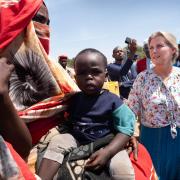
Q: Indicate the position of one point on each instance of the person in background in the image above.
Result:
(144, 63)
(62, 59)
(119, 71)
(155, 98)
(93, 114)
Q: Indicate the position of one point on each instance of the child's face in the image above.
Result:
(90, 73)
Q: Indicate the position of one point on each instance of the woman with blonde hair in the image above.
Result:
(155, 98)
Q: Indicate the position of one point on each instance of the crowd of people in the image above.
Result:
(97, 131)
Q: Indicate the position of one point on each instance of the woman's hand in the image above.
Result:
(98, 159)
(132, 146)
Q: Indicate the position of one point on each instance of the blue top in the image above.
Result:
(94, 117)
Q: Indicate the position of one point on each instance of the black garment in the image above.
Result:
(120, 73)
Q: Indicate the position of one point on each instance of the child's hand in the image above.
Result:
(5, 72)
(132, 146)
(98, 159)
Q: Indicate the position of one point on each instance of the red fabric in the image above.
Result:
(14, 17)
(45, 43)
(141, 65)
(27, 174)
(143, 167)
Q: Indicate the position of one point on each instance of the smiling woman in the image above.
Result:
(163, 50)
(158, 106)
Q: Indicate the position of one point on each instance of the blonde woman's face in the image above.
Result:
(160, 52)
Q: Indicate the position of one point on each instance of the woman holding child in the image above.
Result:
(155, 98)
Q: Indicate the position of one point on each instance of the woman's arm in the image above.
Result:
(12, 128)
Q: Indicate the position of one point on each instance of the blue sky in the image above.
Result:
(104, 24)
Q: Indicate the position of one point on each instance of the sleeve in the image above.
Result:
(133, 70)
(124, 120)
(126, 67)
(134, 98)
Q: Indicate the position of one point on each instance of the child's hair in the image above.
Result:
(91, 50)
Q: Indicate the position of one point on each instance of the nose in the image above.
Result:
(154, 50)
(89, 76)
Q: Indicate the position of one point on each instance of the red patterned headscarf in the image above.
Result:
(16, 15)
(35, 77)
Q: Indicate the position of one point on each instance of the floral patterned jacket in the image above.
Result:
(156, 101)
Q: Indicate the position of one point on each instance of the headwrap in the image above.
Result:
(35, 78)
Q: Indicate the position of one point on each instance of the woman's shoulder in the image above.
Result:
(176, 70)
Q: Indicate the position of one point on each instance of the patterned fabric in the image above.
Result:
(41, 24)
(8, 167)
(44, 109)
(73, 166)
(75, 161)
(158, 103)
(12, 166)
(15, 16)
(35, 77)
(23, 167)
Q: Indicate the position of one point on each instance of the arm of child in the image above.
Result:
(124, 121)
(102, 156)
(12, 128)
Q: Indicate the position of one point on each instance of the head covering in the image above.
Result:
(62, 57)
(15, 16)
(36, 77)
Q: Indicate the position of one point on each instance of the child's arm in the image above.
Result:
(12, 128)
(102, 156)
(124, 120)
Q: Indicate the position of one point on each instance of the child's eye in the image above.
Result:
(81, 73)
(96, 71)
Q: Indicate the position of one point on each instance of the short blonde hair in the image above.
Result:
(170, 40)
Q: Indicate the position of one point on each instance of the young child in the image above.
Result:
(94, 113)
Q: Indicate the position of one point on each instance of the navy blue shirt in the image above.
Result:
(92, 116)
